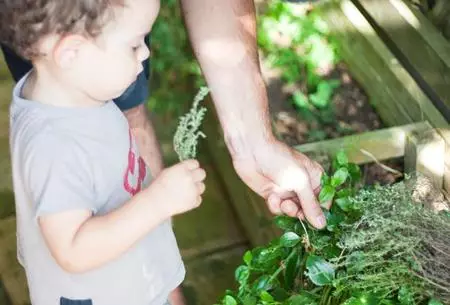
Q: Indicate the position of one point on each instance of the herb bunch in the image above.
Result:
(187, 134)
(379, 247)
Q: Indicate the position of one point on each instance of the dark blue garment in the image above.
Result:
(135, 95)
(64, 301)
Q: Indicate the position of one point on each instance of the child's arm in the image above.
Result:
(80, 242)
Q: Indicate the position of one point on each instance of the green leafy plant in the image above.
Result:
(174, 69)
(379, 247)
(187, 133)
(298, 44)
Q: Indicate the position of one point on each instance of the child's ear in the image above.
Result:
(67, 49)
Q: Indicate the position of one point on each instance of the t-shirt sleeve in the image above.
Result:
(59, 176)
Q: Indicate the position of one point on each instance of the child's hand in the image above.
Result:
(182, 186)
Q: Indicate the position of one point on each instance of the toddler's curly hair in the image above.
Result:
(24, 22)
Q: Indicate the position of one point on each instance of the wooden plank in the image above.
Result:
(209, 277)
(251, 209)
(389, 15)
(392, 91)
(445, 134)
(213, 225)
(4, 299)
(383, 144)
(425, 154)
(7, 206)
(11, 272)
(425, 29)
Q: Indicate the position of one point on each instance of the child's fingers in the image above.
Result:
(191, 164)
(198, 175)
(199, 201)
(200, 187)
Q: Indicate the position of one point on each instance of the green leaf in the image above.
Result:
(320, 272)
(265, 296)
(434, 302)
(405, 296)
(262, 283)
(248, 256)
(353, 301)
(355, 172)
(339, 177)
(333, 220)
(249, 300)
(265, 258)
(241, 274)
(344, 203)
(345, 192)
(324, 179)
(326, 193)
(341, 158)
(301, 299)
(229, 300)
(289, 239)
(285, 222)
(318, 100)
(363, 299)
(300, 99)
(291, 271)
(279, 294)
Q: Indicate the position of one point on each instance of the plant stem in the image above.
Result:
(325, 296)
(282, 265)
(302, 268)
(308, 243)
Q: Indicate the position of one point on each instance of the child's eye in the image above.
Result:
(135, 48)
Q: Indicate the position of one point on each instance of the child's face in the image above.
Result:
(105, 67)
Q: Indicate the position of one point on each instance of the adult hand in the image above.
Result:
(288, 181)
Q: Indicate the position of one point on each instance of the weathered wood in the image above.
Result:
(251, 209)
(11, 272)
(7, 206)
(445, 134)
(440, 16)
(408, 41)
(383, 144)
(209, 277)
(4, 299)
(425, 154)
(392, 90)
(213, 225)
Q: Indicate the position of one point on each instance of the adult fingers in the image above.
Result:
(274, 204)
(289, 208)
(310, 206)
(300, 215)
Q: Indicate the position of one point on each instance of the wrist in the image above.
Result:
(246, 143)
(156, 200)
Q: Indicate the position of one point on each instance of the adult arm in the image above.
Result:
(223, 36)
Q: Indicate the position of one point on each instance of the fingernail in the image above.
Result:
(321, 221)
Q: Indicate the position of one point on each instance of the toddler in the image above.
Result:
(93, 225)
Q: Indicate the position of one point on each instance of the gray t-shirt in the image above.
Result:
(84, 158)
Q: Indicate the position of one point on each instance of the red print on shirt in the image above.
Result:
(131, 174)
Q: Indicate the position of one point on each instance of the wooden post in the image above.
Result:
(425, 154)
